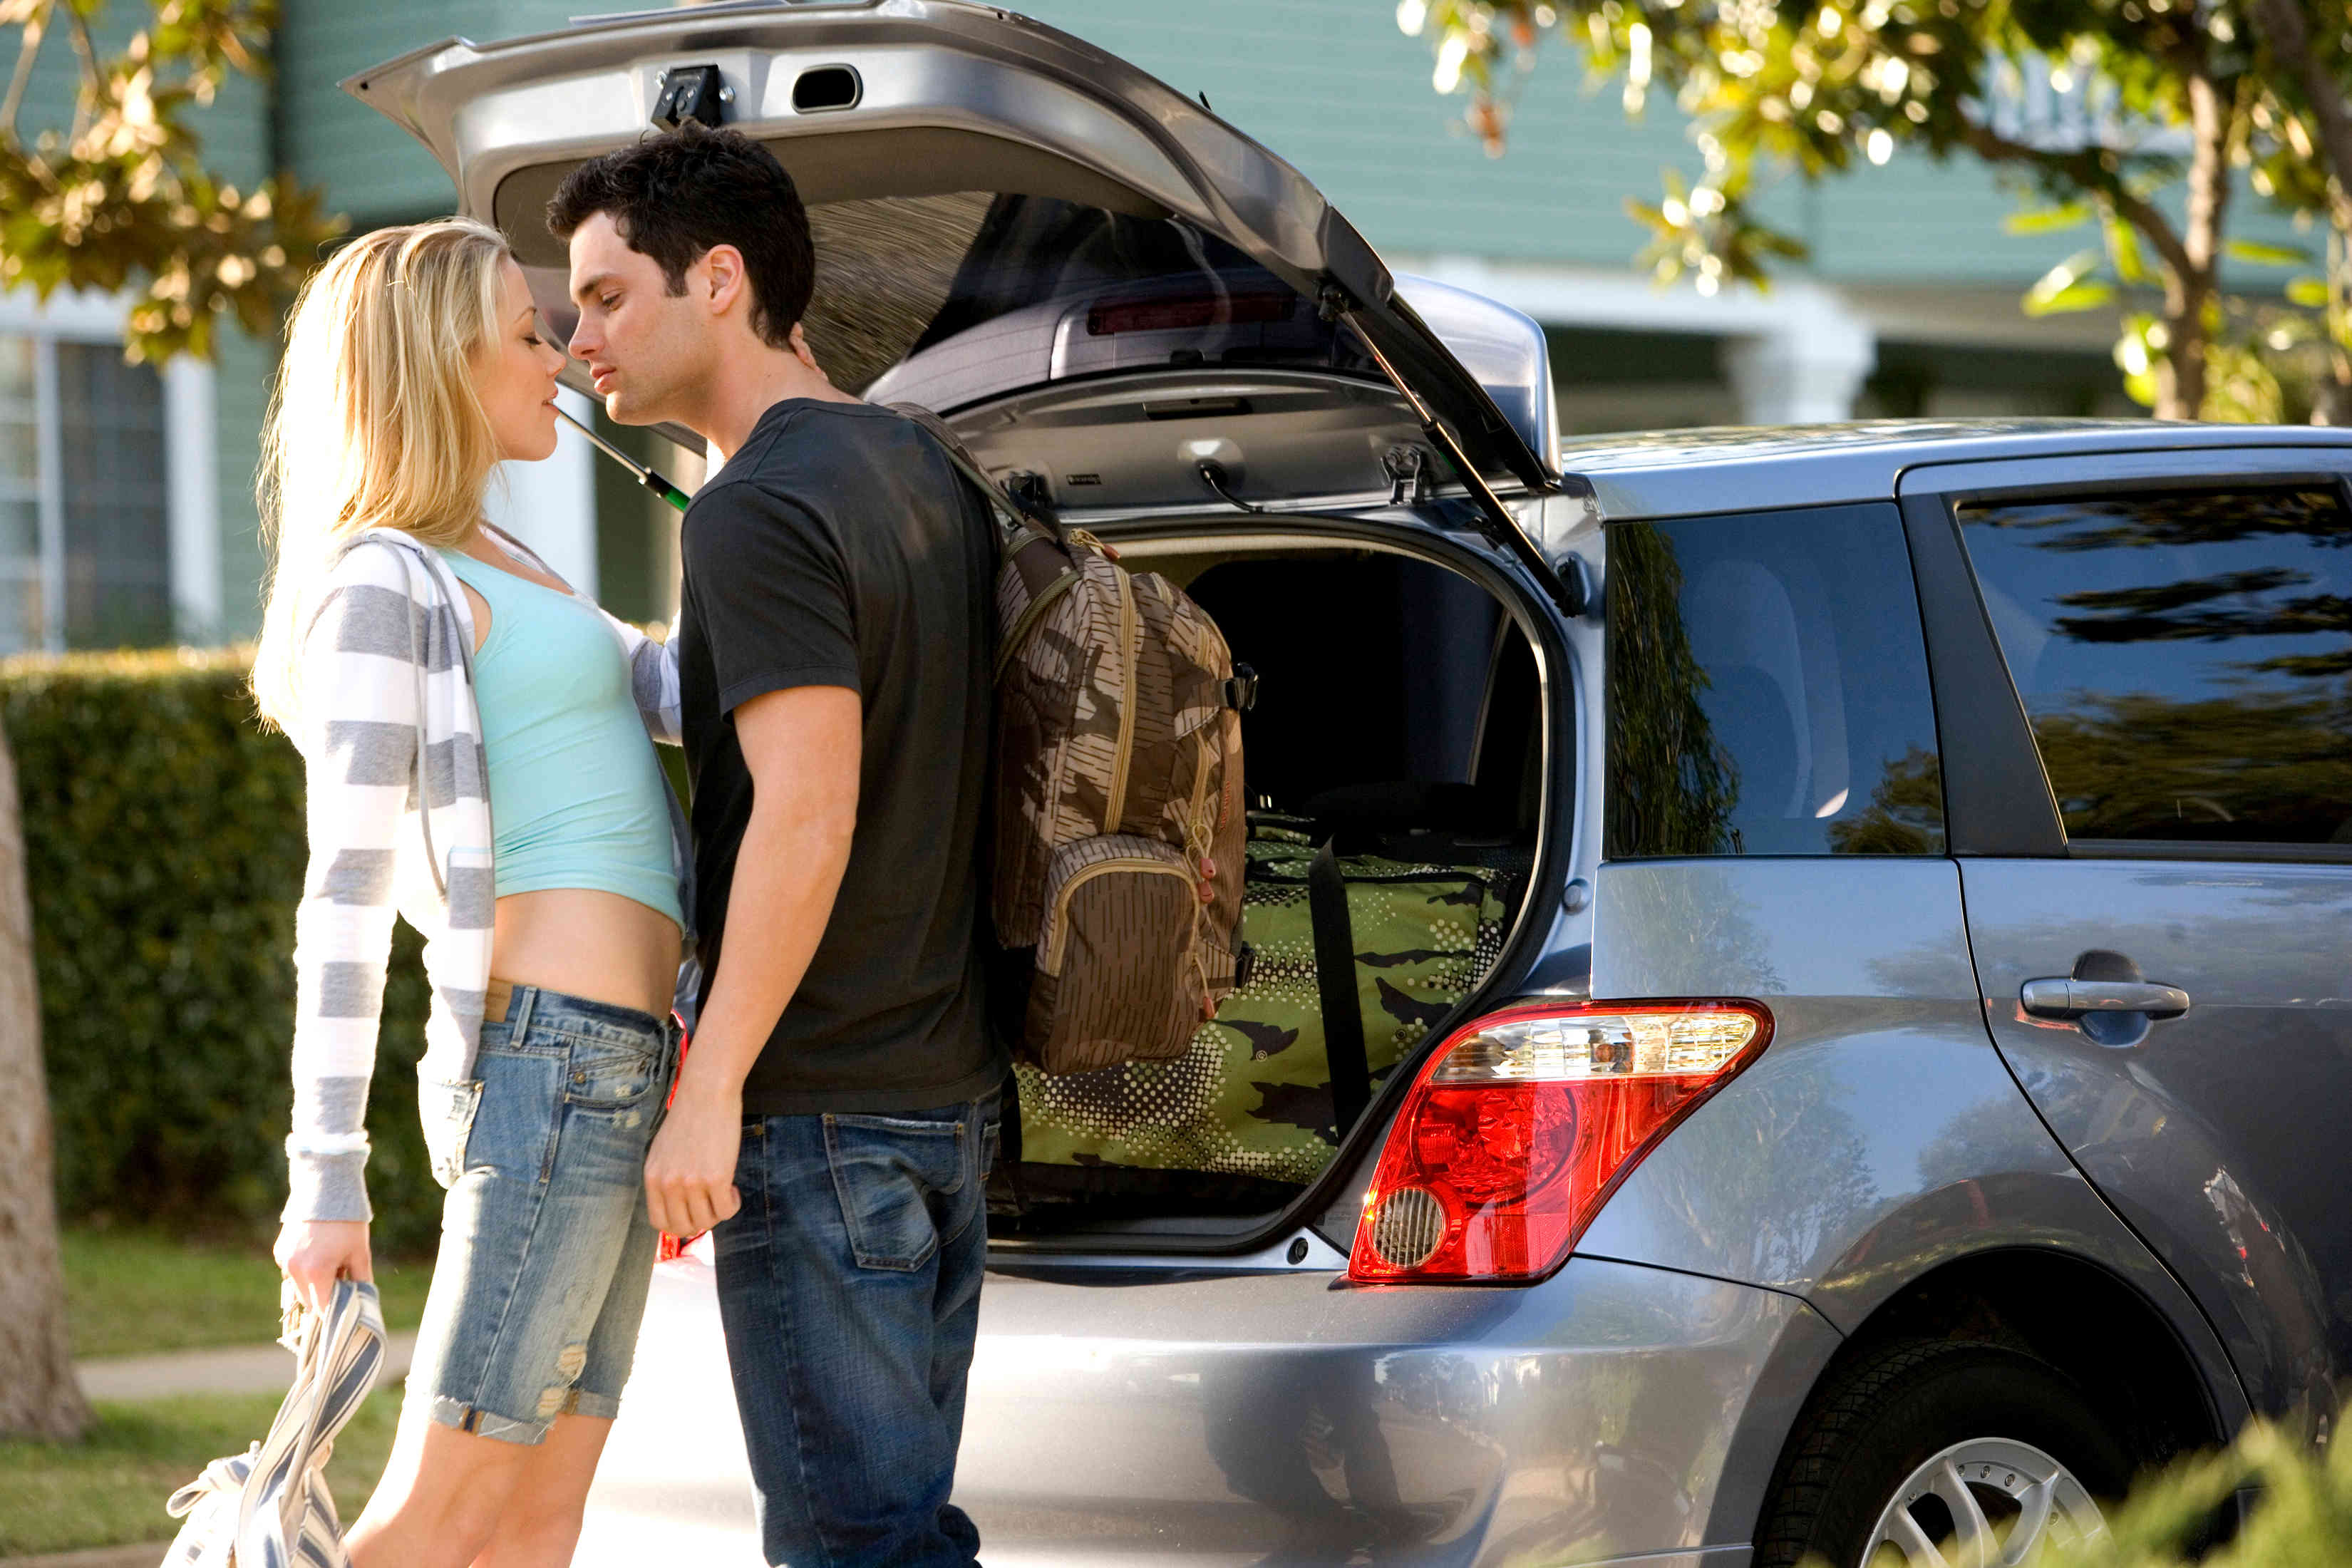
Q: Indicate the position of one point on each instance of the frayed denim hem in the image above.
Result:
(483, 1423)
(601, 1406)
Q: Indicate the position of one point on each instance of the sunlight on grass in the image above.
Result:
(109, 1489)
(131, 1292)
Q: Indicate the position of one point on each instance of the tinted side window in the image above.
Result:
(2184, 658)
(1767, 689)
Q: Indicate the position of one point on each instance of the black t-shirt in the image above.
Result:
(839, 547)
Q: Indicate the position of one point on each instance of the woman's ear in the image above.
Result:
(798, 343)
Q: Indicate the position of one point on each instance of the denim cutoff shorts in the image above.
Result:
(546, 1253)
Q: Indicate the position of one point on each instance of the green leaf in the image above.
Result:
(2047, 220)
(2309, 291)
(2262, 255)
(2074, 297)
(2063, 287)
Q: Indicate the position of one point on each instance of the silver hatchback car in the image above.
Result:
(1901, 1094)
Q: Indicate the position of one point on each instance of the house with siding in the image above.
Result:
(126, 509)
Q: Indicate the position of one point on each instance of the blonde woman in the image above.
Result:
(479, 746)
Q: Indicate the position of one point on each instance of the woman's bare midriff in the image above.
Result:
(601, 946)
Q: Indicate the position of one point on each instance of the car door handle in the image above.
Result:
(2067, 997)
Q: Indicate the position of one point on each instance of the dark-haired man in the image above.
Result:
(836, 1114)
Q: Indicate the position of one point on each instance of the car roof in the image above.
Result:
(1674, 473)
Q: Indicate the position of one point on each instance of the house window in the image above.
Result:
(85, 500)
(2062, 106)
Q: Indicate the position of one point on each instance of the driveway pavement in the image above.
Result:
(675, 1485)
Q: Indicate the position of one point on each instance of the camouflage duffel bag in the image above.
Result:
(1254, 1095)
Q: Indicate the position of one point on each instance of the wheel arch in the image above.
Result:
(2129, 1355)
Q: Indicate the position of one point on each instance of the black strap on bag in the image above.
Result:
(1008, 1139)
(1335, 986)
(1018, 506)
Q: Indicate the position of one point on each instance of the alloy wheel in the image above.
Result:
(1985, 1504)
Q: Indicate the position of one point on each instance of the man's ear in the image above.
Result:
(721, 281)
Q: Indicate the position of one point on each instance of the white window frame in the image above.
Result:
(191, 470)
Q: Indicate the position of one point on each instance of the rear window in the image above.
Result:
(962, 297)
(1767, 689)
(2183, 657)
(951, 300)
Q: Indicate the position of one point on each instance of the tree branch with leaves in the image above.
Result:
(2173, 102)
(122, 198)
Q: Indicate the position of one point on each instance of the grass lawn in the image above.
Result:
(109, 1489)
(130, 1292)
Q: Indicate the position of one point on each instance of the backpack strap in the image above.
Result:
(1335, 986)
(1021, 510)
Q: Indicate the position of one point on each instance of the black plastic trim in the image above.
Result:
(1996, 799)
(2209, 850)
(1342, 1180)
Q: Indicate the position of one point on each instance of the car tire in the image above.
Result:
(1910, 1409)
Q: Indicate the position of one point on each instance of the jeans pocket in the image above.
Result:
(892, 1175)
(601, 1076)
(448, 1111)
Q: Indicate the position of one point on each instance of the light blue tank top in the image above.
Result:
(576, 795)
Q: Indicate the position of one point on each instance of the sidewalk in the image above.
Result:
(240, 1369)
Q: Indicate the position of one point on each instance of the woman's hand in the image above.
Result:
(315, 1253)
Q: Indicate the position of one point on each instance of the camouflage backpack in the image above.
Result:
(1119, 827)
(1263, 1091)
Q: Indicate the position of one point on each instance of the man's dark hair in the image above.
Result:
(674, 195)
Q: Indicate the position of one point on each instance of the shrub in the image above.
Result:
(2302, 1516)
(166, 849)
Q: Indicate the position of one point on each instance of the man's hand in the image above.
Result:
(315, 1253)
(691, 1170)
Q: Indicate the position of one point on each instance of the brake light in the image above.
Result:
(1523, 1123)
(1187, 312)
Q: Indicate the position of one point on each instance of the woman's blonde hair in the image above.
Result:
(374, 422)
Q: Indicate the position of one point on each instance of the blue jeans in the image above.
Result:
(546, 1253)
(849, 1286)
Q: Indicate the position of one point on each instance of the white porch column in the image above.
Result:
(194, 489)
(552, 506)
(1807, 372)
(1797, 354)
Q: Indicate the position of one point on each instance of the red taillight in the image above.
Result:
(1523, 1123)
(1187, 311)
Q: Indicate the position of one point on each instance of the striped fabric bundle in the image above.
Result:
(269, 1506)
(399, 817)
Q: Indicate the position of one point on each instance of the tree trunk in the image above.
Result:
(38, 1394)
(2191, 285)
(2181, 373)
(2286, 31)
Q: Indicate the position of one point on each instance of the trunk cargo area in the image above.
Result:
(1398, 733)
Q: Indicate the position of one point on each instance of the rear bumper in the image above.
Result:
(1143, 1416)
(1278, 1419)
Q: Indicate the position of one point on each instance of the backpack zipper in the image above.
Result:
(1049, 958)
(1129, 653)
(1029, 617)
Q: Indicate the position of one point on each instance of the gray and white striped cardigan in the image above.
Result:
(400, 819)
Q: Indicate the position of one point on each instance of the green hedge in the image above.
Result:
(163, 837)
